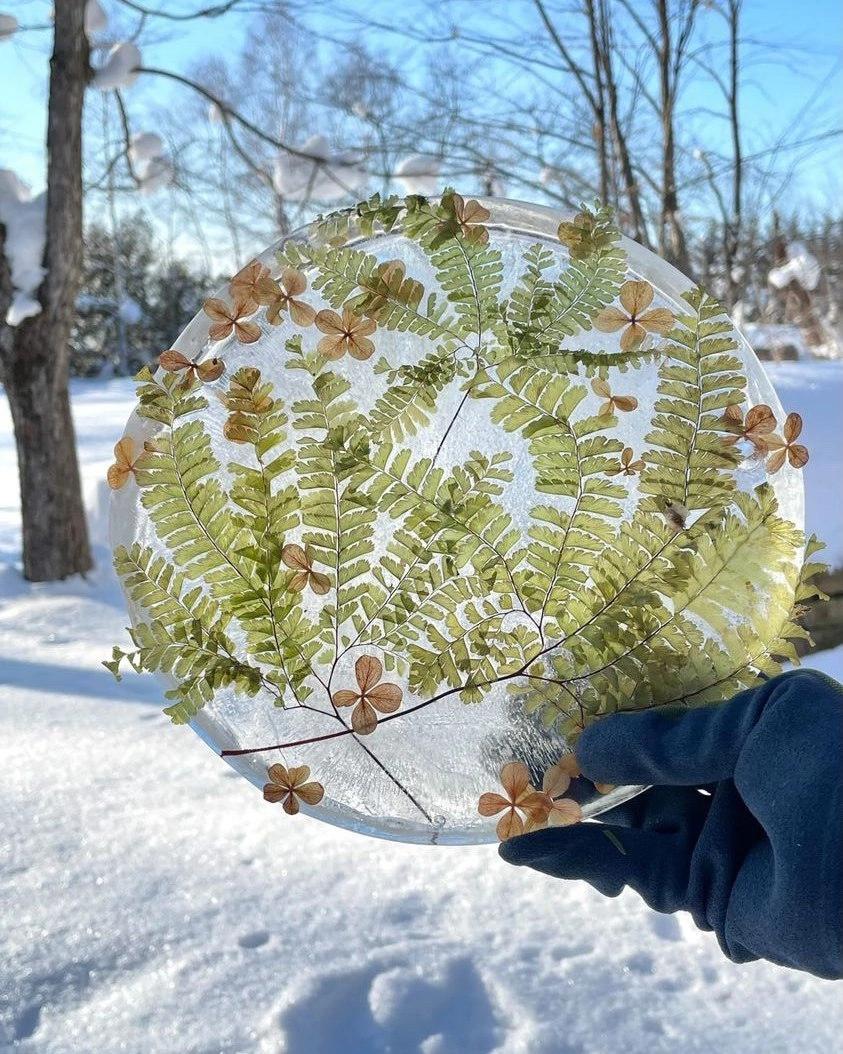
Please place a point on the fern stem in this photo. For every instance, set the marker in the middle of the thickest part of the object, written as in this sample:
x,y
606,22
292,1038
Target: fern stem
x,y
391,775
552,583
266,485
240,751
447,431
473,280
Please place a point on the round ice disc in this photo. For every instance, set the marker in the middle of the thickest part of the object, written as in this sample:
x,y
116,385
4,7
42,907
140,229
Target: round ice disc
x,y
432,485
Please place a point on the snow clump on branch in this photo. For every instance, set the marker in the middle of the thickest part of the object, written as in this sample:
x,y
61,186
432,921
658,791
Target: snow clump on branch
x,y
8,26
418,174
120,69
96,20
315,173
24,220
801,266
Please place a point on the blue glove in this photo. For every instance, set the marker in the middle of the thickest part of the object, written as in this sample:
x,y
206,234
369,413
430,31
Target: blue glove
x,y
760,860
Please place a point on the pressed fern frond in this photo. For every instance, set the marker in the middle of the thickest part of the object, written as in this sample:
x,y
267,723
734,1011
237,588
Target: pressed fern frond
x,y
338,528
465,643
633,651
425,496
160,591
690,464
355,277
410,400
469,272
169,399
542,313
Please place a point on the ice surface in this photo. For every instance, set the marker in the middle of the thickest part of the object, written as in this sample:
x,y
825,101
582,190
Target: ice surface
x,y
443,756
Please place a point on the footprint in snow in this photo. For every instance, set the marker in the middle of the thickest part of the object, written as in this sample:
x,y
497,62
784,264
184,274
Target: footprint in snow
x,y
665,927
412,1006
255,939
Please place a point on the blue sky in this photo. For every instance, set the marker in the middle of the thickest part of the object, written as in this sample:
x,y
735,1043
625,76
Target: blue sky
x,y
804,87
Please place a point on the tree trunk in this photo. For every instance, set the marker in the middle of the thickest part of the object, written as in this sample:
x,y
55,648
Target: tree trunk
x,y
55,536
599,104
35,355
733,231
630,183
672,242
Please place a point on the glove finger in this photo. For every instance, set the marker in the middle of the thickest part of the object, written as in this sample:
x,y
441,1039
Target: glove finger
x,y
694,747
655,865
669,810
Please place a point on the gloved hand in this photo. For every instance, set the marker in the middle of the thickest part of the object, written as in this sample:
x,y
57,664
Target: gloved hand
x,y
760,861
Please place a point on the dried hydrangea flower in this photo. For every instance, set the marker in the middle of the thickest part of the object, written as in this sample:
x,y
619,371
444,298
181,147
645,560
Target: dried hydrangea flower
x,y
290,786
520,797
635,320
346,333
553,810
125,463
301,561
787,448
173,361
569,765
755,428
244,285
626,403
282,295
582,237
372,696
227,320
465,218
470,215
626,465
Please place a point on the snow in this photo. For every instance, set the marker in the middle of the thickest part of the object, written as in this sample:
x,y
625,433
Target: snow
x,y
96,20
119,69
8,26
418,174
321,175
815,390
153,903
155,174
23,217
801,266
145,146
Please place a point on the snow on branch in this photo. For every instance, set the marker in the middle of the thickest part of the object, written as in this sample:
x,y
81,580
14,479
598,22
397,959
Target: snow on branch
x,y
144,146
801,266
155,174
8,26
418,174
315,173
96,20
120,69
24,219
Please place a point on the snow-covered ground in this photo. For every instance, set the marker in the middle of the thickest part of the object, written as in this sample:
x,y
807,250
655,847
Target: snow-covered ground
x,y
151,902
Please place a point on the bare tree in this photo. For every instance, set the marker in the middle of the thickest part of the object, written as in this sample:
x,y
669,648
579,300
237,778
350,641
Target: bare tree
x,y
34,356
